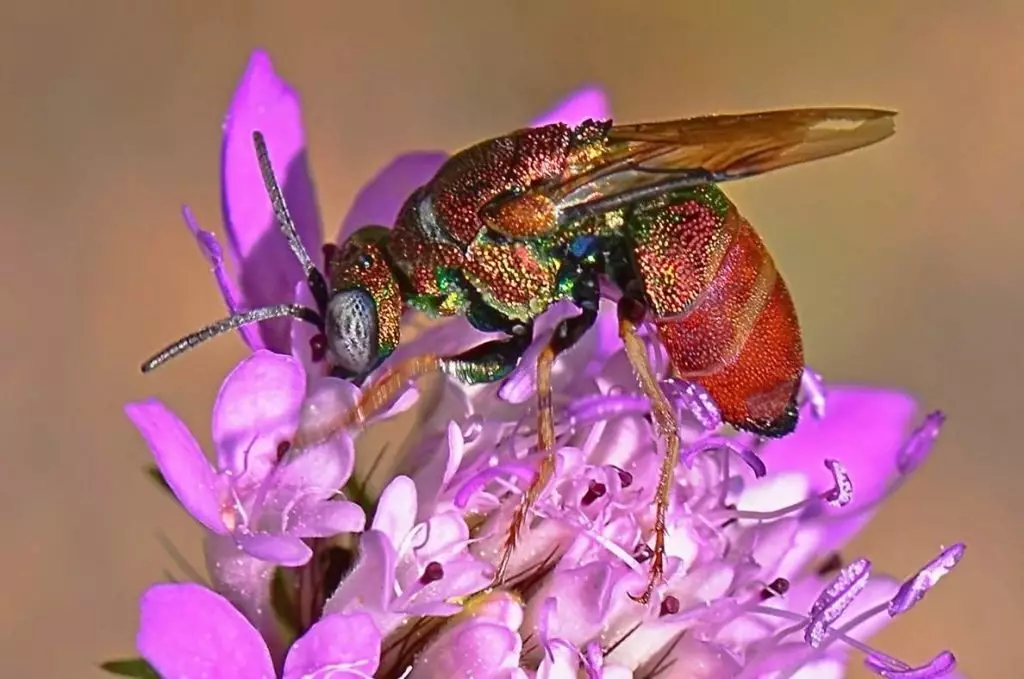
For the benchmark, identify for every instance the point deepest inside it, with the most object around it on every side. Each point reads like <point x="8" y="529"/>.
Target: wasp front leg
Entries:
<point x="586" y="295"/>
<point x="632" y="309"/>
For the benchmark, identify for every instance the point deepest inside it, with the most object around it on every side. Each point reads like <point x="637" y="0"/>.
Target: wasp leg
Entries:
<point x="586" y="295"/>
<point x="631" y="311"/>
<point x="487" y="362"/>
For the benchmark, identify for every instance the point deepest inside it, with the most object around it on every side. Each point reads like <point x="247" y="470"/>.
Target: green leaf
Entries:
<point x="131" y="667"/>
<point x="154" y="473"/>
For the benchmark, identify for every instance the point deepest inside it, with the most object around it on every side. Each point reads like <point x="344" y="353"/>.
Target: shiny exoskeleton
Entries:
<point x="510" y="226"/>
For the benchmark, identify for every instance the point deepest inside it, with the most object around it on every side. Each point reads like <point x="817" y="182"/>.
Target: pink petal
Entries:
<point x="256" y="410"/>
<point x="177" y="454"/>
<point x="284" y="550"/>
<point x="560" y="662"/>
<point x="696" y="659"/>
<point x="520" y="385"/>
<point x="326" y="518"/>
<point x="432" y="471"/>
<point x="380" y="199"/>
<point x="475" y="649"/>
<point x="244" y="581"/>
<point x="396" y="510"/>
<point x="300" y="334"/>
<point x="863" y="429"/>
<point x="369" y="585"/>
<point x="339" y="646"/>
<point x="267" y="269"/>
<point x="319" y="471"/>
<point x="584" y="601"/>
<point x="585" y="103"/>
<point x="210" y="248"/>
<point x="188" y="631"/>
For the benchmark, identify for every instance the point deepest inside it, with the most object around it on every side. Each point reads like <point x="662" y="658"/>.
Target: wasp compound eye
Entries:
<point x="352" y="330"/>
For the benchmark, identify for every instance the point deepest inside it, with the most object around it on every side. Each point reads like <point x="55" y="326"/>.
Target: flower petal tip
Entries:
<point x="586" y="103"/>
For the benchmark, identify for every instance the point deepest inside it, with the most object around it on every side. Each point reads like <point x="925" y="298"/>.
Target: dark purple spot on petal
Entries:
<point x="432" y="573"/>
<point x="282" y="449"/>
<point x="776" y="587"/>
<point x="642" y="553"/>
<point x="625" y="478"/>
<point x="669" y="606"/>
<point x="594" y="491"/>
<point x="318" y="347"/>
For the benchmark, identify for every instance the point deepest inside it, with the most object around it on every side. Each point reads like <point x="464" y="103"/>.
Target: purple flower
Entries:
<point x="266" y="500"/>
<point x="188" y="631"/>
<point x="753" y="587"/>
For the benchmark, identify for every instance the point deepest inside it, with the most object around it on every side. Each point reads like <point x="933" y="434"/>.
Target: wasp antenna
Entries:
<point x="315" y="279"/>
<point x="298" y="311"/>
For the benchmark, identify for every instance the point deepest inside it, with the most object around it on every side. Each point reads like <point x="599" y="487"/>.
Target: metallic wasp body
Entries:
<point x="509" y="226"/>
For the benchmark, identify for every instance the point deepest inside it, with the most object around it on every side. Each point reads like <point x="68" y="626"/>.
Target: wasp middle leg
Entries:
<point x="586" y="295"/>
<point x="632" y="309"/>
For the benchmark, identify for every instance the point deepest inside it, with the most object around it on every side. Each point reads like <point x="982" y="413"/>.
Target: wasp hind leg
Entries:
<point x="631" y="311"/>
<point x="586" y="295"/>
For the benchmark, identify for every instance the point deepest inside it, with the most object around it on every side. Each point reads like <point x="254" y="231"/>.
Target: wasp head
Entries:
<point x="365" y="307"/>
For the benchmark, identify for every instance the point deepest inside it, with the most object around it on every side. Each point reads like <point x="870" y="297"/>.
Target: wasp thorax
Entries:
<point x="352" y="330"/>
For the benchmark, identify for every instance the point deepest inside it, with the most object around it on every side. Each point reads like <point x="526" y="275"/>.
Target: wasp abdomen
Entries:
<point x="722" y="310"/>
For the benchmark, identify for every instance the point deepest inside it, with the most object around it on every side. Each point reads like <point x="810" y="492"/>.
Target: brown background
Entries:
<point x="905" y="260"/>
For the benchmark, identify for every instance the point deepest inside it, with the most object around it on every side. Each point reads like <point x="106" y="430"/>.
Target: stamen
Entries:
<point x="432" y="573"/>
<point x="836" y="598"/>
<point x="591" y="409"/>
<point x="842" y="494"/>
<point x="748" y="456"/>
<point x="914" y="589"/>
<point x="669" y="606"/>
<point x="813" y="388"/>
<point x="838" y="496"/>
<point x="693" y="398"/>
<point x="594" y="491"/>
<point x="318" y="347"/>
<point x="916" y="449"/>
<point x="939" y="666"/>
<point x="481" y="479"/>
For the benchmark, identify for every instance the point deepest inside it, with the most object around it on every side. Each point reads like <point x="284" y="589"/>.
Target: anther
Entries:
<point x="595" y="490"/>
<point x="432" y="573"/>
<point x="669" y="606"/>
<point x="318" y="347"/>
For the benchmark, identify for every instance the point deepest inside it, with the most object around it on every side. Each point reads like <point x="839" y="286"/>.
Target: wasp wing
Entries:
<point x="648" y="159"/>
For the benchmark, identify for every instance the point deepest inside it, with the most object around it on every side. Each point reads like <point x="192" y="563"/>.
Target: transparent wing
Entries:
<point x="648" y="159"/>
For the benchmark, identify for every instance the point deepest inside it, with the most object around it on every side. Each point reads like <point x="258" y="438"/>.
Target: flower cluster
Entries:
<point x="310" y="578"/>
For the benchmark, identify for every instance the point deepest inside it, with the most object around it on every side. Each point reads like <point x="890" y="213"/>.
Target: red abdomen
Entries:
<point x="721" y="309"/>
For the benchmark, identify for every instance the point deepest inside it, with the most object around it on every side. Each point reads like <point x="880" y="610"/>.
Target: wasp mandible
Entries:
<point x="513" y="224"/>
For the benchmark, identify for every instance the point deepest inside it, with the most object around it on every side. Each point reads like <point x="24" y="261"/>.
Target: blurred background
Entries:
<point x="905" y="260"/>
